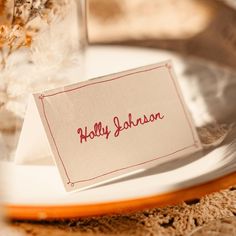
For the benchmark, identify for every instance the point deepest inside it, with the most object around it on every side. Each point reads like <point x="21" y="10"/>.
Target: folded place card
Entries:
<point x="108" y="127"/>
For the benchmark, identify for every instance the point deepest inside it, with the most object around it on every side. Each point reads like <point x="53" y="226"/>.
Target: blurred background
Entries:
<point x="201" y="33"/>
<point x="204" y="28"/>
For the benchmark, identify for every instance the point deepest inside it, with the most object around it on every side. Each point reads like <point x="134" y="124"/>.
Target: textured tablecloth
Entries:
<point x="217" y="211"/>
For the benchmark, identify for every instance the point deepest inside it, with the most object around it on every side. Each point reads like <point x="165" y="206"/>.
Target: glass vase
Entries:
<point x="42" y="46"/>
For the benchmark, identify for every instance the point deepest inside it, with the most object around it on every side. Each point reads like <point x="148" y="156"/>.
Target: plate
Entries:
<point x="36" y="192"/>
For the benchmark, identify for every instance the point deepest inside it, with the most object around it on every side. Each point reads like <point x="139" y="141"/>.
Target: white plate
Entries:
<point x="32" y="191"/>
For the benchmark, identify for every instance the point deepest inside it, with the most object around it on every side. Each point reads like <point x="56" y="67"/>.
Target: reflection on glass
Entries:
<point x="42" y="46"/>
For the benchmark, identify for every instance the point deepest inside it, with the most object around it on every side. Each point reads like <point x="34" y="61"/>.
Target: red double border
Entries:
<point x="168" y="67"/>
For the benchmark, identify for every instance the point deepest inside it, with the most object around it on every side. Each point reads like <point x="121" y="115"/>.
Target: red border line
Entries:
<point x="58" y="153"/>
<point x="108" y="80"/>
<point x="182" y="104"/>
<point x="142" y="163"/>
<point x="100" y="82"/>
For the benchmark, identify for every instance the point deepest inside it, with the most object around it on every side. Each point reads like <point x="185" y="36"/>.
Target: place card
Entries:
<point x="109" y="127"/>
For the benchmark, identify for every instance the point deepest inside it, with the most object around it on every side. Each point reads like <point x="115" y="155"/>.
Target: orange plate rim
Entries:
<point x="25" y="212"/>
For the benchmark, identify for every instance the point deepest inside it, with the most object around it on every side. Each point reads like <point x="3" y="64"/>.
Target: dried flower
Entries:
<point x="18" y="31"/>
<point x="35" y="52"/>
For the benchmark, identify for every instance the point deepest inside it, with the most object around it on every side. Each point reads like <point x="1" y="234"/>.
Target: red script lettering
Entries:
<point x="133" y="123"/>
<point x="99" y="130"/>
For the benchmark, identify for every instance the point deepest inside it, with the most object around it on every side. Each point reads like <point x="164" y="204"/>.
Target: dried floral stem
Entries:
<point x="18" y="33"/>
<point x="3" y="61"/>
<point x="2" y="5"/>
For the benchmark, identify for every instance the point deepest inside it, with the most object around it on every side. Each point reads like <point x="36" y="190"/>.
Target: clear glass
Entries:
<point x="42" y="46"/>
